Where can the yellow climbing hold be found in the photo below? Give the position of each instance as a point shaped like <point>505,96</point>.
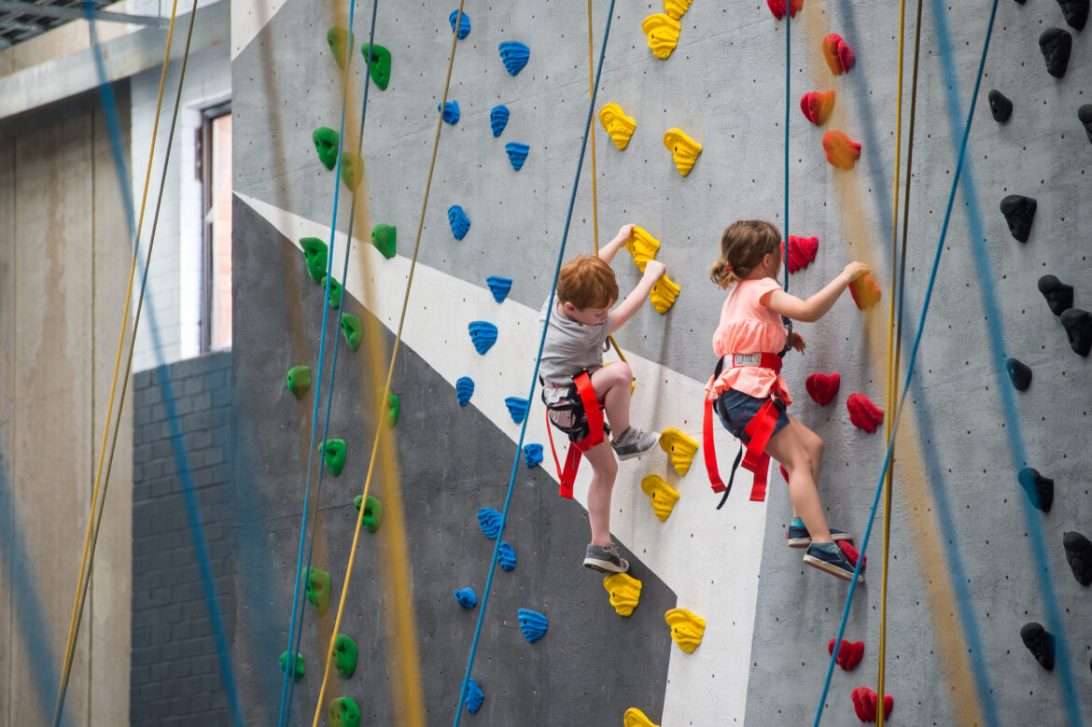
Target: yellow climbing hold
<point>642,246</point>
<point>618,125</point>
<point>687,628</point>
<point>636,718</point>
<point>680,449</point>
<point>677,8</point>
<point>662,495</point>
<point>684,150</point>
<point>663,34</point>
<point>624,591</point>
<point>663,294</point>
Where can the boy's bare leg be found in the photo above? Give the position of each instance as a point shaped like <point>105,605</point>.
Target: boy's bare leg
<point>604,469</point>
<point>612,387</point>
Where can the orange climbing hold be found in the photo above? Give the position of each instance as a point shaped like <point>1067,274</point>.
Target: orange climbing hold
<point>865,291</point>
<point>839,56</point>
<point>777,7</point>
<point>817,106</point>
<point>842,152</point>
<point>863,413</point>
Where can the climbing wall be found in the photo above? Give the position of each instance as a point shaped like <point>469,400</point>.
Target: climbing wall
<point>713,87</point>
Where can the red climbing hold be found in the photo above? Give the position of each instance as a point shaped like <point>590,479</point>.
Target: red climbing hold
<point>851,554</point>
<point>838,55</point>
<point>849,654</point>
<point>822,388</point>
<point>817,106</point>
<point>864,704</point>
<point>842,152</point>
<point>802,252</point>
<point>863,413</point>
<point>777,7</point>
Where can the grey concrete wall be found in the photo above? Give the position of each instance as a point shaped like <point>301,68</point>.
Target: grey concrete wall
<point>175,676</point>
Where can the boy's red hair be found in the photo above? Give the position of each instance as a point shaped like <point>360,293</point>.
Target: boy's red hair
<point>587,282</point>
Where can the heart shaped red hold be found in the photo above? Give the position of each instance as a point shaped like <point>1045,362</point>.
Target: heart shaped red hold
<point>817,105</point>
<point>849,654</point>
<point>777,7</point>
<point>864,704</point>
<point>863,413</point>
<point>822,388</point>
<point>802,251</point>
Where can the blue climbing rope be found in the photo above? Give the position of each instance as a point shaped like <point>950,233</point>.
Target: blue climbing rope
<point>287,683</point>
<point>946,49</point>
<point>185,475</point>
<point>788,105</point>
<point>534,377</point>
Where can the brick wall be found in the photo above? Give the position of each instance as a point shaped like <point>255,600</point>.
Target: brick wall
<point>175,675</point>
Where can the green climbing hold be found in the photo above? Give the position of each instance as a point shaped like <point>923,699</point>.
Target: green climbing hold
<point>345,655</point>
<point>343,712</point>
<point>314,252</point>
<point>318,589</point>
<point>340,41</point>
<point>298,380</point>
<point>352,169</point>
<point>385,239</point>
<point>335,292</point>
<point>394,408</point>
<point>378,59</point>
<point>333,454</point>
<point>298,665</point>
<point>373,512</point>
<point>352,329</point>
<point>326,140</point>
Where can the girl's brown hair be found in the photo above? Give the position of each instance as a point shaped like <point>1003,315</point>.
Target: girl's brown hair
<point>742,247</point>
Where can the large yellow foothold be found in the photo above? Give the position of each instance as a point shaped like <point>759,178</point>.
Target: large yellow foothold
<point>618,125</point>
<point>636,718</point>
<point>624,591</point>
<point>642,246</point>
<point>663,294</point>
<point>684,150</point>
<point>676,8</point>
<point>662,495</point>
<point>663,34</point>
<point>680,449</point>
<point>687,628</point>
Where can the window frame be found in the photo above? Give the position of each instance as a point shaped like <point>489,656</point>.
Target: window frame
<point>203,159</point>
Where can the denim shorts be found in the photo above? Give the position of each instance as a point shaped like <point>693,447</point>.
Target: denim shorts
<point>736,410</point>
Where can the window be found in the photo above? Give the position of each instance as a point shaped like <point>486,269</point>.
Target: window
<point>214,173</point>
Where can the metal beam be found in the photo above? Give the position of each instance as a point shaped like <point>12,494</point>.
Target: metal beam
<point>68,13</point>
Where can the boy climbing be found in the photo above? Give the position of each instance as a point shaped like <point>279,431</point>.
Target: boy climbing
<point>575,383</point>
<point>749,341</point>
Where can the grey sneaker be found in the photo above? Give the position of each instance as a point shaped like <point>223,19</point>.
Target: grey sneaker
<point>605,559</point>
<point>634,442</point>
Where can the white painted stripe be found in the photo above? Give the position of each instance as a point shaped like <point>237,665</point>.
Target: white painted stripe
<point>710,559</point>
<point>248,17</point>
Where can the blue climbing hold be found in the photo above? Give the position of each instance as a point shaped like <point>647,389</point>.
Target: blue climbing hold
<point>498,119</point>
<point>483,334</point>
<point>464,23</point>
<point>460,223</point>
<point>490,522</point>
<point>474,697</point>
<point>500,287</point>
<point>517,407</point>
<point>533,624</point>
<point>464,389</point>
<point>450,111</point>
<point>517,154</point>
<point>514,55</point>
<point>532,455</point>
<point>506,556</point>
<point>466,597</point>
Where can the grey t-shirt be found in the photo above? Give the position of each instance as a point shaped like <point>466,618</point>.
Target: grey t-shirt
<point>570,347</point>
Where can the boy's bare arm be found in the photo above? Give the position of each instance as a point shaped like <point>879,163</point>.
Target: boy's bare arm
<point>625,310</point>
<point>608,251</point>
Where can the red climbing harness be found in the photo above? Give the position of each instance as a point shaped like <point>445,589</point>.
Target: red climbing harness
<point>593,416</point>
<point>758,430</point>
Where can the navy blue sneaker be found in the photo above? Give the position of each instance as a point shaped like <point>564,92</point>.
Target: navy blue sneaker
<point>831,561</point>
<point>797,536</point>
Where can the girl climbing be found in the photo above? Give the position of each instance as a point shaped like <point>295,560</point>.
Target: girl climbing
<point>749,394</point>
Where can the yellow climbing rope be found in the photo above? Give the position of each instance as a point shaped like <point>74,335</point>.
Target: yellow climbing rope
<point>413,713</point>
<point>100,484</point>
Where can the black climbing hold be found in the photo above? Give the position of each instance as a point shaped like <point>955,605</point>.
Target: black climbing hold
<point>1078,326</point>
<point>1019,212</point>
<point>378,59</point>
<point>1078,552</point>
<point>1040,643</point>
<point>1000,106</point>
<point>1039,489</point>
<point>314,252</point>
<point>1056,44</point>
<point>1084,114</point>
<point>326,140</point>
<point>1059,296</point>
<point>1020,373</point>
<point>1075,13</point>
